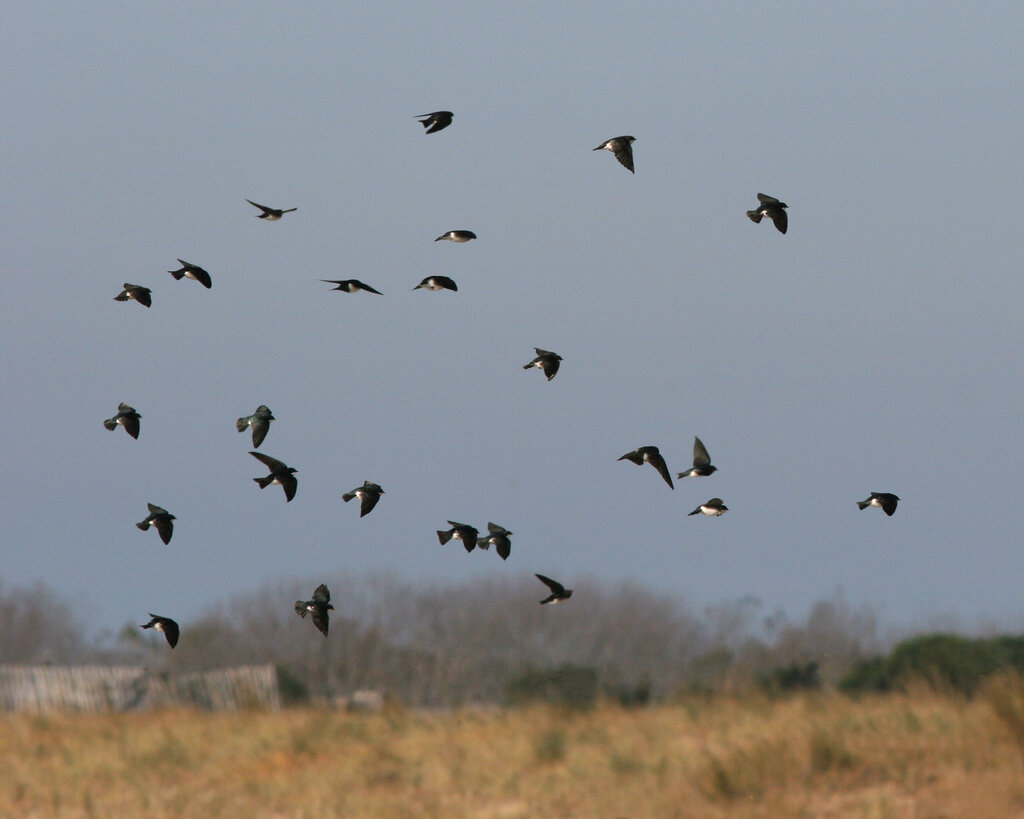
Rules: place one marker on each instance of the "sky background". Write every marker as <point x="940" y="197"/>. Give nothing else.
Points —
<point x="875" y="347"/>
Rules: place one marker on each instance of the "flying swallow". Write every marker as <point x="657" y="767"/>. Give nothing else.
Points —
<point x="160" y="519"/>
<point x="369" y="493"/>
<point x="701" y="462"/>
<point x="652" y="456"/>
<point x="436" y="121"/>
<point x="459" y="531"/>
<point x="280" y="473"/>
<point x="260" y="423"/>
<point x="773" y="209"/>
<point x="558" y="591"/>
<point x="713" y="508"/>
<point x="351" y="286"/>
<point x="165" y="625"/>
<point x="499" y="536"/>
<point x="457" y="236"/>
<point x="622" y="147"/>
<point x="318" y="607"/>
<point x="127" y="417"/>
<point x="193" y="271"/>
<point x="885" y="500"/>
<point x="546" y="361"/>
<point x="270" y="214"/>
<point x="143" y="295"/>
<point x="437" y="283"/>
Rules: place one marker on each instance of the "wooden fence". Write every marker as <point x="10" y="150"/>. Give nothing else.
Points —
<point x="92" y="689"/>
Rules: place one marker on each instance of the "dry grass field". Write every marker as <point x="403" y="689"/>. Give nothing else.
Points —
<point x="810" y="756"/>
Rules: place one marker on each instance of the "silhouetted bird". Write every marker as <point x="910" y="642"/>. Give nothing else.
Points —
<point x="650" y="455"/>
<point x="280" y="473"/>
<point x="546" y="361"/>
<point x="459" y="531"/>
<point x="457" y="236"/>
<point x="126" y="417"/>
<point x="773" y="209"/>
<point x="351" y="286"/>
<point x="437" y="283"/>
<point x="192" y="271"/>
<point x="165" y="625"/>
<point x="436" y="121"/>
<point x="270" y="214"/>
<point x="885" y="500"/>
<point x="160" y="519"/>
<point x="369" y="493"/>
<point x="260" y="423"/>
<point x="318" y="607"/>
<point x="135" y="292"/>
<point x="558" y="591"/>
<point x="701" y="462"/>
<point x="622" y="147"/>
<point x="713" y="508"/>
<point x="499" y="536"/>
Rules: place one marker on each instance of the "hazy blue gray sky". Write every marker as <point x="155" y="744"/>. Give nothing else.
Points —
<point x="876" y="347"/>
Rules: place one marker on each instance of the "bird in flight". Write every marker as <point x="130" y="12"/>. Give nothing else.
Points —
<point x="351" y="286"/>
<point x="457" y="236"/>
<point x="318" y="607"/>
<point x="435" y="122"/>
<point x="622" y="147"/>
<point x="546" y="361"/>
<point x="126" y="417"/>
<point x="558" y="591"/>
<point x="135" y="292"/>
<point x="713" y="508"/>
<point x="459" y="531"/>
<point x="192" y="271"/>
<point x="369" y="493"/>
<point x="259" y="421"/>
<point x="270" y="214"/>
<point x="499" y="536"/>
<point x="650" y="455"/>
<point x="885" y="500"/>
<point x="701" y="462"/>
<point x="437" y="283"/>
<point x="165" y="625"/>
<point x="773" y="209"/>
<point x="160" y="519"/>
<point x="280" y="473"/>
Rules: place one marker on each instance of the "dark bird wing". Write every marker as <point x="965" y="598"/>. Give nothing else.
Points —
<point x="170" y="630"/>
<point x="700" y="453"/>
<point x="554" y="585"/>
<point x="130" y="421"/>
<point x="259" y="430"/>
<point x="658" y="462"/>
<point x="780" y="219"/>
<point x="368" y="502"/>
<point x="201" y="276"/>
<point x="765" y="199"/>
<point x="321" y="594"/>
<point x="635" y="456"/>
<point x="289" y="483"/>
<point x="321" y="619"/>
<point x="369" y="289"/>
<point x="165" y="528"/>
<point x="263" y="208"/>
<point x="624" y="153"/>
<point x="888" y="502"/>
<point x="271" y="463"/>
<point x="550" y="364"/>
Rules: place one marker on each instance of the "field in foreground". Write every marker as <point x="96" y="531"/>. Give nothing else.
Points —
<point x="811" y="756"/>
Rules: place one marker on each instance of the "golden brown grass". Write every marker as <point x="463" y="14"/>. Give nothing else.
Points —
<point x="915" y="756"/>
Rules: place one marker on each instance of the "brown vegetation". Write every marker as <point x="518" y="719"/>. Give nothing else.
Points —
<point x="812" y="755"/>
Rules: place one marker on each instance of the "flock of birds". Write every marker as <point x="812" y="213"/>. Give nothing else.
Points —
<point x="280" y="474"/>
